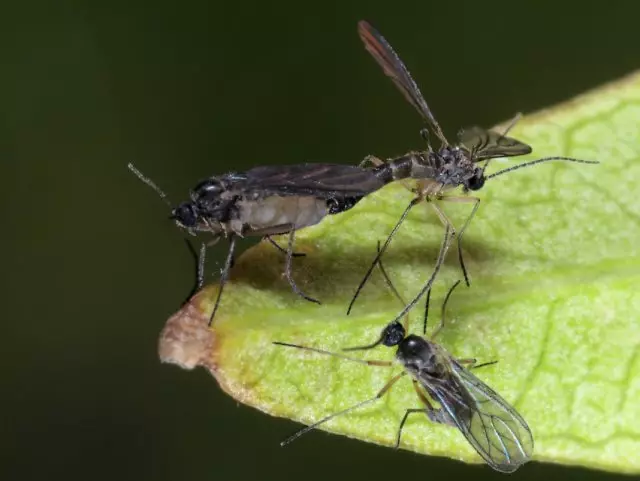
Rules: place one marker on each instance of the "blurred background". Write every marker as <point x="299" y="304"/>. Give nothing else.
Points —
<point x="91" y="265"/>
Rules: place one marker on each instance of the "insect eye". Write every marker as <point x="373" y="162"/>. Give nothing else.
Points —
<point x="476" y="182"/>
<point x="185" y="215"/>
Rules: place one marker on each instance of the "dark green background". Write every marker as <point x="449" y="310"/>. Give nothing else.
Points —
<point x="91" y="265"/>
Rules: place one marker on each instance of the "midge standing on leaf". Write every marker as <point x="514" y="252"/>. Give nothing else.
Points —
<point x="267" y="201"/>
<point x="448" y="393"/>
<point x="447" y="166"/>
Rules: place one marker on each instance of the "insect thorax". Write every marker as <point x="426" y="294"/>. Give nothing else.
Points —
<point x="453" y="166"/>
<point x="421" y="357"/>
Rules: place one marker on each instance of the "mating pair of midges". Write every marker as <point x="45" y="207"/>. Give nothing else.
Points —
<point x="274" y="200"/>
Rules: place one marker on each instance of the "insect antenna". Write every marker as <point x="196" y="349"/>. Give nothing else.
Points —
<point x="150" y="183"/>
<point x="381" y="393"/>
<point x="333" y="354"/>
<point x="539" y="161"/>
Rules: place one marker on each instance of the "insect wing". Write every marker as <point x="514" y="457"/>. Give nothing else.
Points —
<point x="494" y="428"/>
<point x="486" y="144"/>
<point x="395" y="69"/>
<point x="318" y="180"/>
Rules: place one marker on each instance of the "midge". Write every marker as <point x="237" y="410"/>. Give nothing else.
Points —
<point x="266" y="201"/>
<point x="448" y="394"/>
<point x="447" y="166"/>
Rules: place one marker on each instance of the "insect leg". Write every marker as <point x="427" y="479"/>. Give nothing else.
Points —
<point x="414" y="202"/>
<point x="224" y="275"/>
<point x="472" y="363"/>
<point x="284" y="251"/>
<point x="424" y="133"/>
<point x="476" y="204"/>
<point x="443" y="311"/>
<point x="444" y="247"/>
<point x="287" y="268"/>
<point x="434" y="415"/>
<point x="512" y="123"/>
<point x="431" y="412"/>
<point x="393" y="289"/>
<point x="426" y="312"/>
<point x="381" y="393"/>
<point x="371" y="160"/>
<point x="199" y="258"/>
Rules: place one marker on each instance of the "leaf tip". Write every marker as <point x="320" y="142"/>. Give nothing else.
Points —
<point x="186" y="339"/>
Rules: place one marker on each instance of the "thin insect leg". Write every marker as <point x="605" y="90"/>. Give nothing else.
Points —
<point x="224" y="275"/>
<point x="443" y="311"/>
<point x="434" y="415"/>
<point x="443" y="217"/>
<point x="199" y="258"/>
<point x="476" y="205"/>
<point x="472" y="363"/>
<point x="371" y="160"/>
<point x="414" y="202"/>
<point x="368" y="362"/>
<point x="424" y="133"/>
<point x="408" y="412"/>
<point x="426" y="312"/>
<point x="393" y="289"/>
<point x="512" y="123"/>
<point x="381" y="393"/>
<point x="287" y="269"/>
<point x="446" y="241"/>
<point x="446" y="221"/>
<point x="281" y="249"/>
<point x="200" y="273"/>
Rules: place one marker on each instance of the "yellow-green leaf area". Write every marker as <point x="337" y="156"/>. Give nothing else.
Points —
<point x="553" y="257"/>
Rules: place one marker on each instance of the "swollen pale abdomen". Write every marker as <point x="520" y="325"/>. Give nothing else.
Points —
<point x="275" y="210"/>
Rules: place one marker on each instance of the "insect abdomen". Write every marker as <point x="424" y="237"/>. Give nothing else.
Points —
<point x="298" y="211"/>
<point x="413" y="165"/>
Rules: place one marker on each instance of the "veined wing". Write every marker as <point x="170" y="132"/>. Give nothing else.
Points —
<point x="494" y="428"/>
<point x="395" y="69"/>
<point x="486" y="144"/>
<point x="318" y="180"/>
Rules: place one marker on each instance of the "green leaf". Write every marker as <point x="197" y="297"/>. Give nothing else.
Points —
<point x="553" y="255"/>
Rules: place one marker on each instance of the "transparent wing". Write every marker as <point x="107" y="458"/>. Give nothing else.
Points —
<point x="486" y="144"/>
<point x="393" y="67"/>
<point x="318" y="180"/>
<point x="494" y="428"/>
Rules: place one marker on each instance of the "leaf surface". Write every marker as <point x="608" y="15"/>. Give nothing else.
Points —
<point x="553" y="255"/>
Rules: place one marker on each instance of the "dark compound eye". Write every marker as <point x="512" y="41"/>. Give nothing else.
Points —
<point x="476" y="182"/>
<point x="185" y="214"/>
